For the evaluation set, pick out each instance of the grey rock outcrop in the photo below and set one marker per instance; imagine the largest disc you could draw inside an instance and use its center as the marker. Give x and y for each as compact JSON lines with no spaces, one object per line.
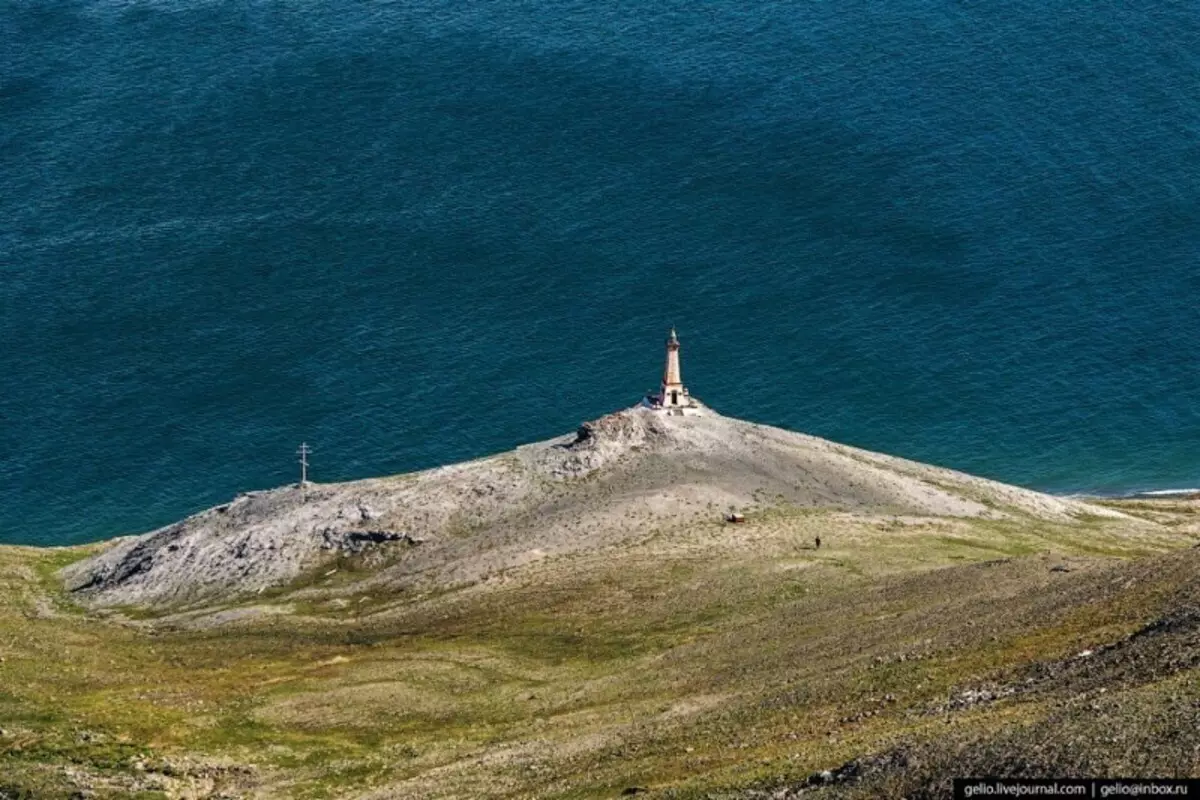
{"x":613,"y":478}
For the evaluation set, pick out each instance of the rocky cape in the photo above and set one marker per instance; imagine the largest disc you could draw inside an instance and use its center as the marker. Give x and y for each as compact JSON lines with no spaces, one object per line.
{"x":616,"y":479}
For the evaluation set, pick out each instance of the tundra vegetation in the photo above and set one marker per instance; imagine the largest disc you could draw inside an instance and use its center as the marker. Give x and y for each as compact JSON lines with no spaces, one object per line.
{"x":577,"y":620}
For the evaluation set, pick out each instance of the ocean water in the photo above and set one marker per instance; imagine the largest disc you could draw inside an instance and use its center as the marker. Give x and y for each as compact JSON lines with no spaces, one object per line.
{"x":411,"y":233}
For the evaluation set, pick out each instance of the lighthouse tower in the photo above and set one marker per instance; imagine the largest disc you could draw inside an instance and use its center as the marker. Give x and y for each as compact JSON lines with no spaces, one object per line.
{"x":673,"y":396}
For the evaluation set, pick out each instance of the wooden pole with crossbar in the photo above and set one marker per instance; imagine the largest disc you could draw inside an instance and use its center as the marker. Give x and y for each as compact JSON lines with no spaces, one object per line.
{"x":304,"y":452}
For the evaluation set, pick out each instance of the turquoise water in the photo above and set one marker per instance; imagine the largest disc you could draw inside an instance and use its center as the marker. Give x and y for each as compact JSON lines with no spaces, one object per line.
{"x":415,"y":233}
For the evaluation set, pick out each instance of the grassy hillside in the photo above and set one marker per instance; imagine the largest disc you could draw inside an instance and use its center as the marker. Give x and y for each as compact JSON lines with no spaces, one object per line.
{"x":697,"y":660}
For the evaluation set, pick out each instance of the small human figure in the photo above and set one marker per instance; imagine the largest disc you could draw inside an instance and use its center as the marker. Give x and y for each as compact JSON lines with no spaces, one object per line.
{"x":818,"y":542}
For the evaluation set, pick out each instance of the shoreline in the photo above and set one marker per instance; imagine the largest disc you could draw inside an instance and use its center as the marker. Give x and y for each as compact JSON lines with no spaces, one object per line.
{"x":1147,"y":494}
{"x":1139,"y":494}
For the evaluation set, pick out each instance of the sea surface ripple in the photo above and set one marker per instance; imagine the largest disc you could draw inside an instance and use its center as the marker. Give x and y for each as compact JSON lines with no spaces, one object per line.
{"x":411,"y":233}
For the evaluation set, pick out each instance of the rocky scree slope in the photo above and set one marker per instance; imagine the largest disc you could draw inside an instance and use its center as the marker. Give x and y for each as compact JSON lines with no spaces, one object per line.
{"x":616,"y":477}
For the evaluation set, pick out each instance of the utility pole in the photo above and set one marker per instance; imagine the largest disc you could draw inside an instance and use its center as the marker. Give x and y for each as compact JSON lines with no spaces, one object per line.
{"x":304,"y":452}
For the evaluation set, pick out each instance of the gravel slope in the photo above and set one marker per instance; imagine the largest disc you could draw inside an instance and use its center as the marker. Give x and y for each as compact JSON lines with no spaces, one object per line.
{"x":616,"y":478}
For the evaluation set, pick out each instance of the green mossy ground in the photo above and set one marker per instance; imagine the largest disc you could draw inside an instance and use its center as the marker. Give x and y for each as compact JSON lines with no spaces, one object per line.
{"x":737,"y":659}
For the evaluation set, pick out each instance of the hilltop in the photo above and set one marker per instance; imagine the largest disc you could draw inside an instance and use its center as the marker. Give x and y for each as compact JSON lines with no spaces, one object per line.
{"x":616,"y":479}
{"x":576,"y":619}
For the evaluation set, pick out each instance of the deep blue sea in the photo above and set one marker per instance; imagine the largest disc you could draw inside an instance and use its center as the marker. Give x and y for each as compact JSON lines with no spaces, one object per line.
{"x":412,"y":233}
